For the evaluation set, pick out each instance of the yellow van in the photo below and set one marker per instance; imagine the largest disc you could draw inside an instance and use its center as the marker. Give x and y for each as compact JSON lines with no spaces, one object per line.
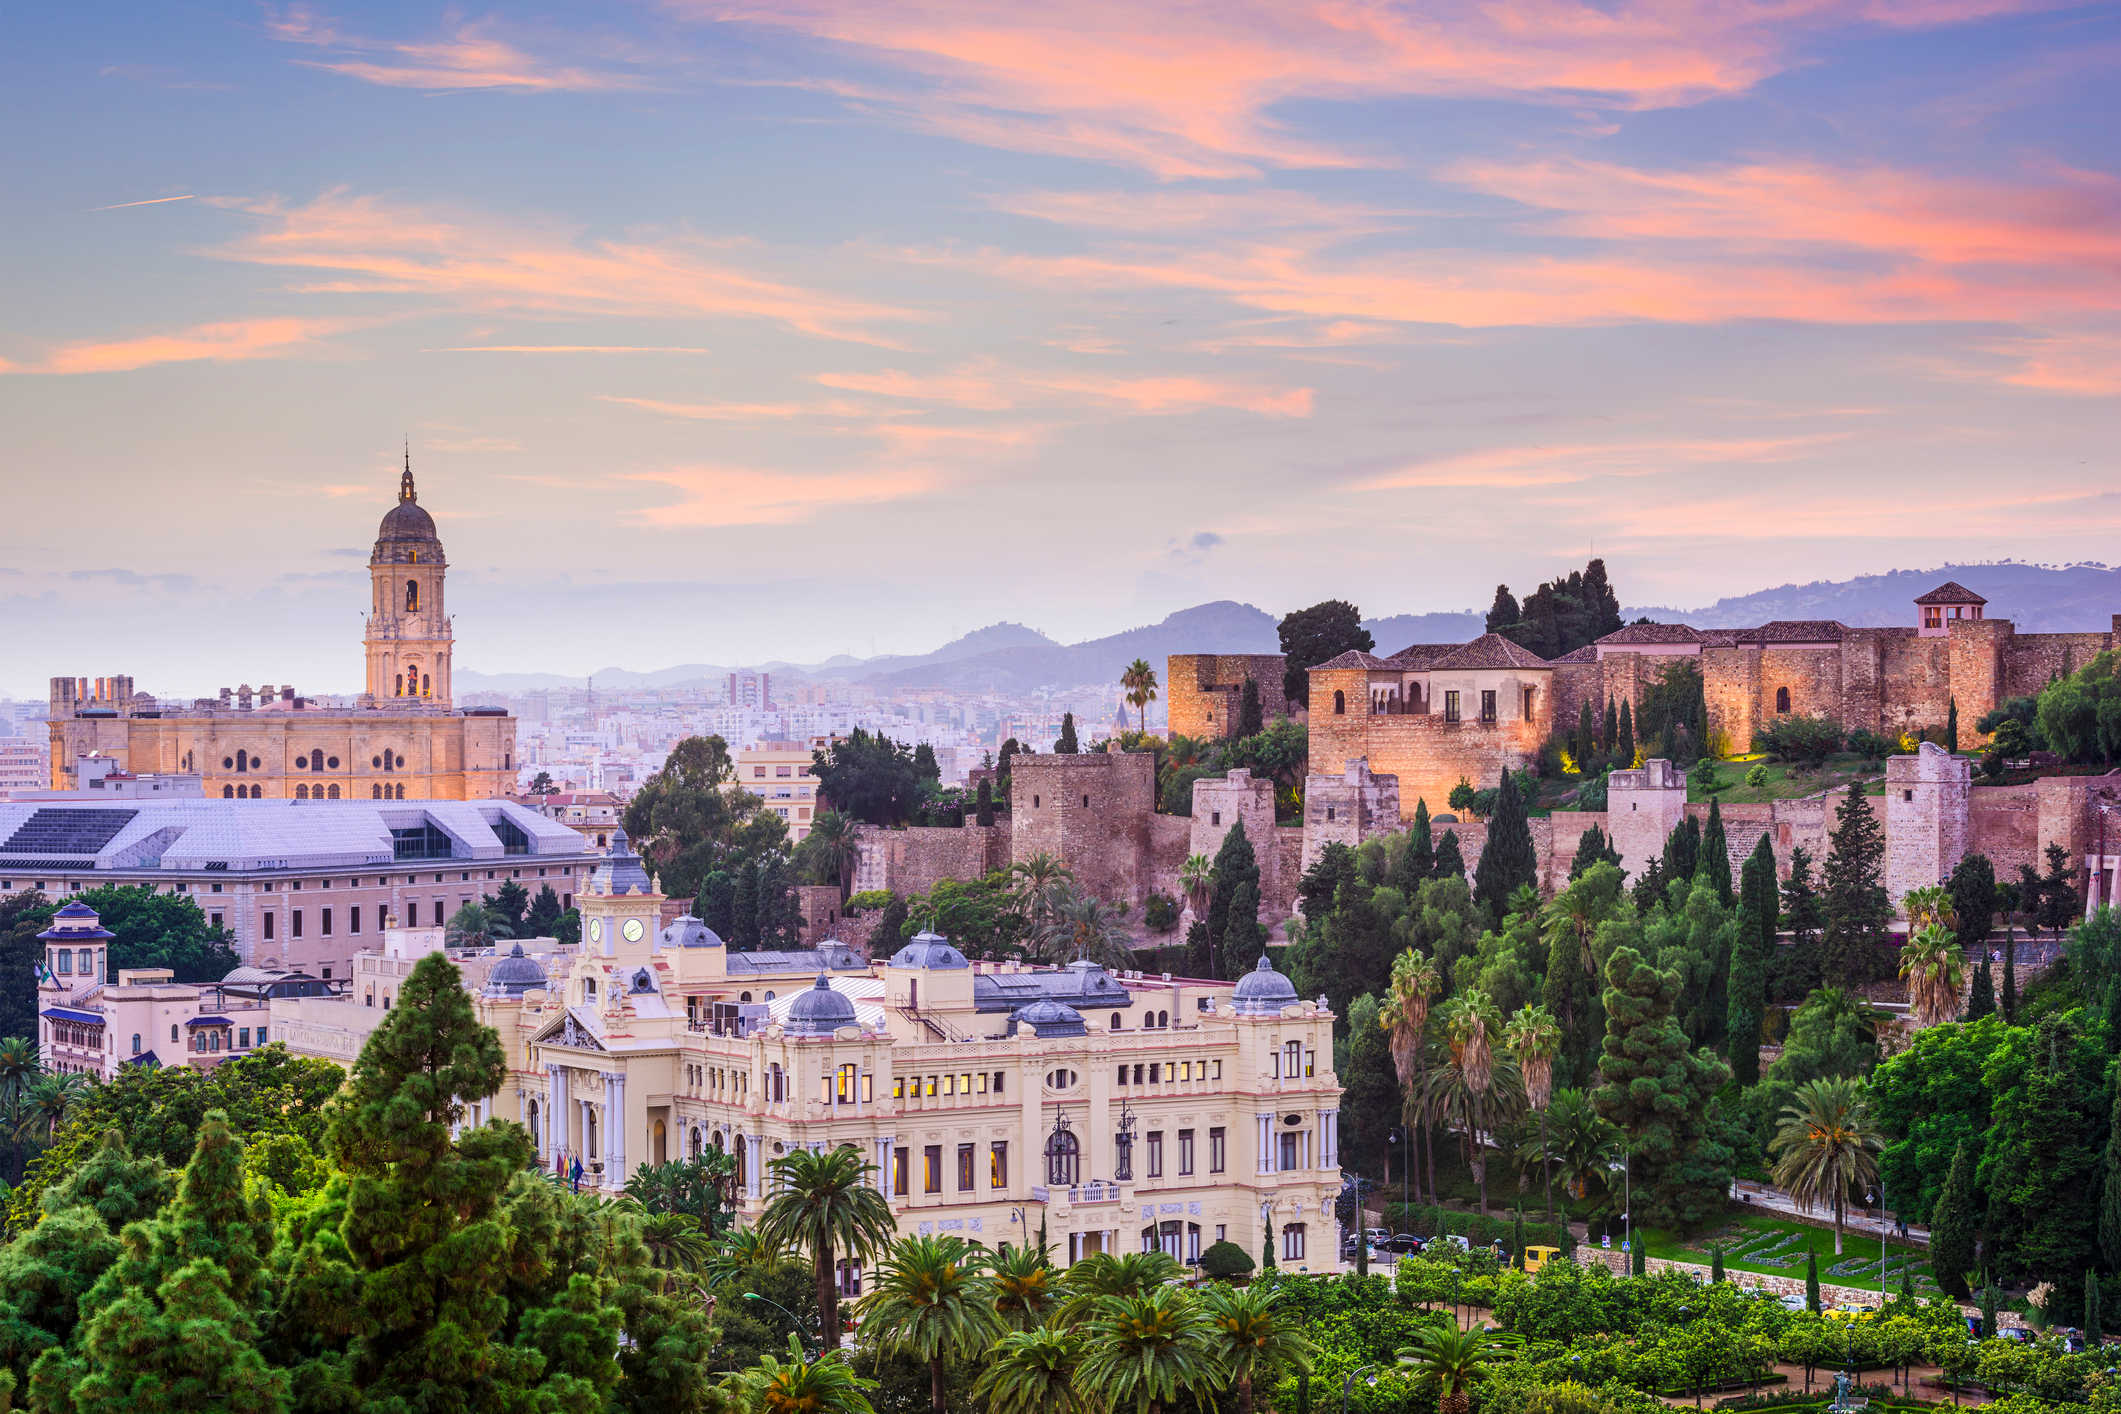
{"x":1537,"y":1257}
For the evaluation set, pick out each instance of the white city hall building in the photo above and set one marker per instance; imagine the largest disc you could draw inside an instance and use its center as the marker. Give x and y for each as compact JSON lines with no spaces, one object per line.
{"x":1117,"y":1111}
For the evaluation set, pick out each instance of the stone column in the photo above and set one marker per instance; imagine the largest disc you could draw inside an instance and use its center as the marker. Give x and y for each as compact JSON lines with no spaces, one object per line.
{"x":1265,"y":1143}
{"x":555,"y":1113}
{"x":883,"y":1166}
{"x":615,"y":1144}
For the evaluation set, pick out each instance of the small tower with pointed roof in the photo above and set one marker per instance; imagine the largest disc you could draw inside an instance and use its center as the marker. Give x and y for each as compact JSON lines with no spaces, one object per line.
{"x":1949,"y":601}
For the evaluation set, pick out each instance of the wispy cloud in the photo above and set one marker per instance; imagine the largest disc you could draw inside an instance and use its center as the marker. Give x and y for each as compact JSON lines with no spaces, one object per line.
{"x":741,"y":412}
{"x":470,"y":55}
{"x":1194,"y":92}
{"x":1543,"y":464}
{"x":363,"y":245}
{"x":233,"y":341}
{"x":718,"y":496}
{"x":151,"y":201}
{"x":569,"y":349}
{"x":991,"y":388}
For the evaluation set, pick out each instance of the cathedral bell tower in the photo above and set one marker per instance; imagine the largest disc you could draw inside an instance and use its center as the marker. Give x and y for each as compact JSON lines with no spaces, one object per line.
{"x":409,"y":639}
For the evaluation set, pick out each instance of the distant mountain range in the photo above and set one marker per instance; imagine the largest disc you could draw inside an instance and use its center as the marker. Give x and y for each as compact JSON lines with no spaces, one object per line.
{"x":1011,"y":658}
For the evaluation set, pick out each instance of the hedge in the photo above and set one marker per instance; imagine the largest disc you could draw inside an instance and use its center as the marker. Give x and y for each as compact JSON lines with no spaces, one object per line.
{"x":1425,"y":1221}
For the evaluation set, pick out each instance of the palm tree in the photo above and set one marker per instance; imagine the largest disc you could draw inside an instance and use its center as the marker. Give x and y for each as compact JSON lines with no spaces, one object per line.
{"x":1039,"y":879}
{"x":1033,"y":1372}
{"x":826,"y":1205}
{"x":930,"y":1302}
{"x":19,"y":1064}
{"x":1102,"y":1275}
{"x":1582,"y":1144}
{"x":1533,"y":1039}
{"x":1140,"y":682}
{"x":835,"y":834}
{"x":1406,"y":1015}
{"x":1256,"y":1339}
{"x":1026,"y":1286}
{"x":1145,"y":1352}
{"x":45,"y":1102}
{"x":676,"y":1244}
{"x":472,"y":927}
{"x":1081,"y":928}
{"x":1933,"y":963}
{"x":1453,"y":1358}
{"x":1476,"y":1091}
{"x":1826,"y":1145}
{"x":1930,"y":904}
{"x":826,"y":1385}
{"x":739,"y":1257}
{"x":1197,"y":876}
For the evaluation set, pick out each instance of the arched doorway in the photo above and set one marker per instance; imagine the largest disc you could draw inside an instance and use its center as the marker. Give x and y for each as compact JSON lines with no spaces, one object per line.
{"x":743,"y":1165}
{"x":662,"y":1143}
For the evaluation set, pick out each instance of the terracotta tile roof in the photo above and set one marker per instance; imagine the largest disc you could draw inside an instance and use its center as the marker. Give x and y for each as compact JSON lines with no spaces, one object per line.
{"x":1355,"y":658}
{"x":1652,"y":633}
{"x":1492,"y":650}
{"x":1796,"y":631}
{"x":1586,"y":654}
{"x":1951,"y":592}
{"x":1421,"y":655}
{"x":1721,"y":637}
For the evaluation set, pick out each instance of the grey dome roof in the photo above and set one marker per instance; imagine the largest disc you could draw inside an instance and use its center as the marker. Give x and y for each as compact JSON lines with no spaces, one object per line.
{"x":1092,"y":977}
{"x":1263,"y":991}
{"x":621,"y":871}
{"x":691,"y":932}
{"x":819,"y":1011}
{"x":404,"y":522}
{"x":1049,"y":1018}
{"x":929,"y":950}
{"x":514,"y":975}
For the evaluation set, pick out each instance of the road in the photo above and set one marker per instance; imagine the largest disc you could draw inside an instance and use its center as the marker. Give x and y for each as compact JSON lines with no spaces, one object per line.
{"x":1774,"y":1200}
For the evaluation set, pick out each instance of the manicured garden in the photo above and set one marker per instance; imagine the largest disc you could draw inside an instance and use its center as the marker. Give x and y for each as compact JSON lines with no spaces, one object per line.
{"x":1772,"y":1246}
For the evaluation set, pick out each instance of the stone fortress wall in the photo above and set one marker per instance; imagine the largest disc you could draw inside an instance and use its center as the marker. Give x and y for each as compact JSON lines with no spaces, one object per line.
{"x":1202,"y":691}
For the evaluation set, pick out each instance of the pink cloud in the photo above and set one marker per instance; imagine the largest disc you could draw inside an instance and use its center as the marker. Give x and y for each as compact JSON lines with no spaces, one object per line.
{"x":367,"y":246}
{"x":719,"y":496}
{"x":987,"y":389}
{"x":233,"y":341}
{"x":2082,"y":364}
{"x":1515,"y":468}
{"x":470,"y":56}
{"x":740,"y":412}
{"x":1188,"y":92}
{"x":964,"y":390}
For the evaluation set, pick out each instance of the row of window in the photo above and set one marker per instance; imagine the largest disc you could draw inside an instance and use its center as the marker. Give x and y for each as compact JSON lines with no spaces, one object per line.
{"x":932,"y":1168}
{"x":63,"y":961}
{"x":962,"y":1083}
{"x":1158,"y":1072}
{"x":1218,"y":1153}
{"x":330,"y":792}
{"x":1453,"y":711}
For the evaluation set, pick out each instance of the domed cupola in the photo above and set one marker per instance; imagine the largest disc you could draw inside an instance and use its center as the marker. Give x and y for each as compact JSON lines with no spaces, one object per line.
{"x":929,"y":950}
{"x":689,"y":932}
{"x":514,"y":975}
{"x":1263,"y":991}
{"x":1049,"y":1018}
{"x":819,"y":1011}
{"x":621,"y":872}
{"x":407,"y":532}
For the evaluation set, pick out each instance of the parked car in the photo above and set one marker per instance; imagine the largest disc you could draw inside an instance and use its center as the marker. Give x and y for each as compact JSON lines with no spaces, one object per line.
{"x":1794,"y":1301}
{"x":1377,"y":1236}
{"x":1403,"y":1242}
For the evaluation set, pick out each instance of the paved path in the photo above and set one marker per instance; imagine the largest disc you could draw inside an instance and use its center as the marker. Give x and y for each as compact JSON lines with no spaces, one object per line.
{"x":1774,"y":1200}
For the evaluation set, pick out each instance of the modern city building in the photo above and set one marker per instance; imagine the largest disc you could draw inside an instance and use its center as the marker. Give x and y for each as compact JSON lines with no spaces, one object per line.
{"x":299,"y":884}
{"x":779,"y":773}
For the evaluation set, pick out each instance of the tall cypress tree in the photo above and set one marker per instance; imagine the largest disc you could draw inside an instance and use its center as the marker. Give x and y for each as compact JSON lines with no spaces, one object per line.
{"x":1951,"y":728}
{"x":2010,"y":977}
{"x":1592,"y":847}
{"x":1715,"y":861}
{"x":1508,"y":862}
{"x":1800,"y":914}
{"x":1956,"y":1224}
{"x":985,"y":807}
{"x":1609,"y":738}
{"x":1066,"y":745}
{"x":2094,"y":1319}
{"x":1417,"y":859}
{"x":1854,"y":899}
{"x":1625,"y":753}
{"x":1811,"y":1282}
{"x":1244,"y":941}
{"x":1585,"y":743}
{"x":1682,"y":849}
{"x":1450,"y":862}
{"x":1749,"y":958}
{"x":1251,"y":720}
{"x":1235,"y":867}
{"x":2110,"y":1191}
{"x":1981,"y":995}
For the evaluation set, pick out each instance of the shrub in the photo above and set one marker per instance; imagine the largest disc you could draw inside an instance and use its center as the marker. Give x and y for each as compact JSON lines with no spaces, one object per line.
{"x":1757,"y":777}
{"x":1225,"y":1259}
{"x":1160,"y":912}
{"x":1801,"y":740}
{"x":866,"y":901}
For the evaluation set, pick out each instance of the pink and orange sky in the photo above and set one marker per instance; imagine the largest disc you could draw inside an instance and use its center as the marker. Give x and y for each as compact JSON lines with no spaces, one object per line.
{"x":730,"y":332}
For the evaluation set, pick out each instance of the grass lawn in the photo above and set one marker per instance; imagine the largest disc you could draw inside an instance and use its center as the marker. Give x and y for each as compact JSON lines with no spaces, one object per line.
{"x":1772,"y":1246}
{"x":1783,"y":783}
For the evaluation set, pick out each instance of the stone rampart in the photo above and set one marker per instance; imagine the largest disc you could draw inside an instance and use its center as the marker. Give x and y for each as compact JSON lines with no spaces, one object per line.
{"x":1091,"y":812}
{"x":1202,"y":691}
{"x":911,"y":861}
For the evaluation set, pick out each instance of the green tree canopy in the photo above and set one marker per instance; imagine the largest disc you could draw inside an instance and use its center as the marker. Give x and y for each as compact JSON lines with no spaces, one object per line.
{"x":1312,"y":636}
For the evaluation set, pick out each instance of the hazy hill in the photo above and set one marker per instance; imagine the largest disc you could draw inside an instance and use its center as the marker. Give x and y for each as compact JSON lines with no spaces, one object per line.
{"x":1009,"y":657}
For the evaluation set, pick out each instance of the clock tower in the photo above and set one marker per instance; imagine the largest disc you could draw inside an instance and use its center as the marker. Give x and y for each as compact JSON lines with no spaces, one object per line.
{"x":621,"y":910}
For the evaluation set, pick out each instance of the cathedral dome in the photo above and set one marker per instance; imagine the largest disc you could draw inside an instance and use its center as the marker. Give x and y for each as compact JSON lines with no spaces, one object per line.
{"x":1263,"y":991}
{"x":406,"y":529}
{"x":514,"y":975}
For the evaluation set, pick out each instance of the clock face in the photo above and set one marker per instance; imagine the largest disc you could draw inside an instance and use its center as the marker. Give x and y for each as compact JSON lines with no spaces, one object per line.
{"x":633,"y":930}
{"x":596,"y":930}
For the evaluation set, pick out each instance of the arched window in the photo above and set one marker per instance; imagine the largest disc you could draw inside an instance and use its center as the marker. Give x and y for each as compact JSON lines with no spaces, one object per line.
{"x":1115,"y":1022}
{"x":242,"y":761}
{"x":1782,"y":699}
{"x":412,"y":596}
{"x":332,"y":792}
{"x":401,"y":792}
{"x":375,"y":792}
{"x":136,"y":1043}
{"x":427,"y":686}
{"x":316,"y":761}
{"x":228,"y":792}
{"x":1340,"y":703}
{"x":400,"y":691}
{"x":257,"y":792}
{"x":1064,"y":1157}
{"x":173,"y":1031}
{"x":301,"y":792}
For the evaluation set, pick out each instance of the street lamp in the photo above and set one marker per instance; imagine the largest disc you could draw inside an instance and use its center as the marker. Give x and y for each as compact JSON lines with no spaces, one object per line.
{"x":1406,"y":1168}
{"x":1018,"y":1216}
{"x":1347,"y":1386}
{"x":792,"y":1320}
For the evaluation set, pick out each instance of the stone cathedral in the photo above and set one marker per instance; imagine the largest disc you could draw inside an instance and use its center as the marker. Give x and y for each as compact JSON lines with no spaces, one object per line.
{"x":402,"y":740}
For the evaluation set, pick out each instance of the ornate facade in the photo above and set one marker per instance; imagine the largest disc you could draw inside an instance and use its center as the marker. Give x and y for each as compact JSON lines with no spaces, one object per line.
{"x":402,"y":740}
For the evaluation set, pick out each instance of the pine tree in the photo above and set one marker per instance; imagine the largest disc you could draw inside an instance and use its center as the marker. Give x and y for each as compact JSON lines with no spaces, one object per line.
{"x":1251,"y":720}
{"x":1584,"y":744}
{"x":1716,"y":1263}
{"x":1609,"y":737}
{"x":2010,"y":976}
{"x":1625,"y":755}
{"x":1235,"y":866}
{"x":1200,"y":958}
{"x":1750,"y":951}
{"x":2094,"y":1324}
{"x":1639,"y":1259}
{"x":985,"y":814}
{"x":1509,"y":861}
{"x":544,"y":915}
{"x":1951,"y":728}
{"x":1657,"y":1091}
{"x":1504,"y":612}
{"x":744,"y":914}
{"x":1857,"y":910}
{"x":1800,"y":914}
{"x":1066,"y":745}
{"x":1715,"y":863}
{"x":1955,"y":1225}
{"x":1450,"y":864}
{"x":1811,"y":1281}
{"x":1417,"y":859}
{"x":1989,"y":1327}
{"x":1981,"y":995}
{"x":1682,"y":850}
